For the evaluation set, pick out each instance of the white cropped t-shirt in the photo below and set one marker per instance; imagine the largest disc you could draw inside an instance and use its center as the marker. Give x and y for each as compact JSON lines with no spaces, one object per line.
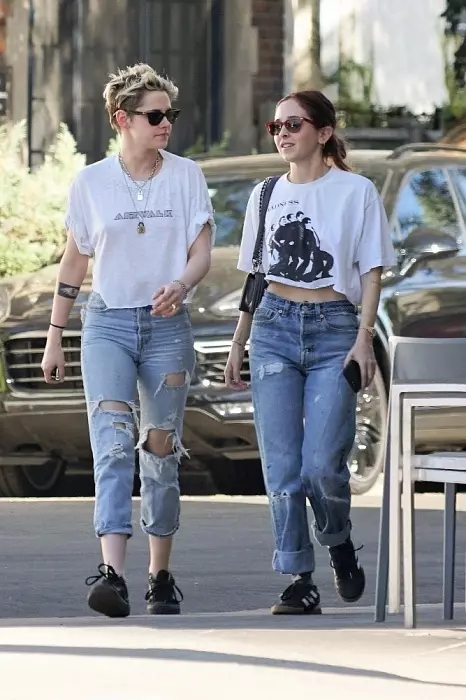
{"x":130,"y":266}
{"x":323,"y":233}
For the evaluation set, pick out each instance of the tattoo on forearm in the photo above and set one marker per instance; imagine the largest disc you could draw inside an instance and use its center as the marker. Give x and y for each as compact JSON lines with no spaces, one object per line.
{"x":67,"y":291}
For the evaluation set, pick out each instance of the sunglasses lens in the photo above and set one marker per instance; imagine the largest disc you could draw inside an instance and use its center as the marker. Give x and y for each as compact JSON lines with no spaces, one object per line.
{"x":172,"y":115}
{"x":293,"y":125}
{"x":155,"y":117}
{"x":274,"y":128}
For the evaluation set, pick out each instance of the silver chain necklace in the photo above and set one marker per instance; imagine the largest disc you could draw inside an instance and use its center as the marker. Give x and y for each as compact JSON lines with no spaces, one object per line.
{"x":138,"y":187}
{"x":141,"y":225}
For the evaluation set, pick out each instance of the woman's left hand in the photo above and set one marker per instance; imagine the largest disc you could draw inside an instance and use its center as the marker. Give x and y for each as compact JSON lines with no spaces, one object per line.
{"x":167,"y":300}
{"x":363,"y":352}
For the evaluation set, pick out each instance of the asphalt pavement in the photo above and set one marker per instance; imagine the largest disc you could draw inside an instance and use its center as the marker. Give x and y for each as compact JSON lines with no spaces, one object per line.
{"x":221,"y":560}
{"x":226,"y":644}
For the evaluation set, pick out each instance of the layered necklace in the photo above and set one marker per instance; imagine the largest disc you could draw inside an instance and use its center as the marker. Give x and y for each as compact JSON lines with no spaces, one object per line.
{"x":140,"y":189}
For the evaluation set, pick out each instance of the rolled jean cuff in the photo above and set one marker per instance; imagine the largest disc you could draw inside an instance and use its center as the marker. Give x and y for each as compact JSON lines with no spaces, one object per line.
{"x":152,"y":533}
{"x":332,"y":539}
{"x":101,"y":532}
{"x":294,"y":562}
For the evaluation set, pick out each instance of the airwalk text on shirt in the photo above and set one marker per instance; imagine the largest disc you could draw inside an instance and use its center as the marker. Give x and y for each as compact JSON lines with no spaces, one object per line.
{"x":146,"y":214}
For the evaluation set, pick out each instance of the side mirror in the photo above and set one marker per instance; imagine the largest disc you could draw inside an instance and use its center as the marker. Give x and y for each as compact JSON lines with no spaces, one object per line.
{"x":425,"y":243}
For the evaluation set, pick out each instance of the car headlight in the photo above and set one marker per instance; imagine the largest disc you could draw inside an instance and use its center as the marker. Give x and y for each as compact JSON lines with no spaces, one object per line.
{"x":228,"y":306}
{"x":5,"y":304}
{"x":237,"y":409}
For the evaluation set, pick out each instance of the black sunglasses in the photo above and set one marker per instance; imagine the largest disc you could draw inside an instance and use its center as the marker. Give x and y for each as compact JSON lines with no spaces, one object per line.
{"x":292,"y":124}
{"x":156,"y":116}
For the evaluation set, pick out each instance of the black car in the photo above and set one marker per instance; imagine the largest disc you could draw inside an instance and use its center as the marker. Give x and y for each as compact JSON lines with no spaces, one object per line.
{"x":43,"y":428}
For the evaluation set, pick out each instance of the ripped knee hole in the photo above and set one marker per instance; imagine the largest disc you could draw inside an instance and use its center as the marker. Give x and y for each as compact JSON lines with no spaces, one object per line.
{"x":119,"y":406}
{"x":176,"y":379}
{"x":160,"y":443}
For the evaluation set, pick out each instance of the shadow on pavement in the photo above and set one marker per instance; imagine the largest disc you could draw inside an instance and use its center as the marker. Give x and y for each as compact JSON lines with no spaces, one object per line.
{"x":192,"y":655}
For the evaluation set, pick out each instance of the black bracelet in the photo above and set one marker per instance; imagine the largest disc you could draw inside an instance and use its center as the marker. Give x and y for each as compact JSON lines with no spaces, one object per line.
{"x":62,"y":328}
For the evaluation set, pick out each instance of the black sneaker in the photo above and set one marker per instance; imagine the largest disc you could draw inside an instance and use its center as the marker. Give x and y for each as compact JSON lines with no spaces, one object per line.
{"x":301,"y":598}
{"x":109,"y":594}
{"x":350,"y":580}
{"x":163,"y":596}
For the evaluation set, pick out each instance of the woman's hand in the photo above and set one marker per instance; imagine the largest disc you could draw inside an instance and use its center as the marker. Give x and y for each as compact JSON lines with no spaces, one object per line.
{"x":363,"y":352}
{"x":233,"y":368}
{"x":54,"y":358}
{"x":167,"y":300}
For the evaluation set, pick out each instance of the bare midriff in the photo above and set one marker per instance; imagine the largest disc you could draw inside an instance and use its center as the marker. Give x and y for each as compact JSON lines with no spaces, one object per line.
{"x":299,"y":294}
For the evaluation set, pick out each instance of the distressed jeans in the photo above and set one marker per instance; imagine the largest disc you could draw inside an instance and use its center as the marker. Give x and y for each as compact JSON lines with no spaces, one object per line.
{"x":305,"y":416}
{"x":128,"y":353}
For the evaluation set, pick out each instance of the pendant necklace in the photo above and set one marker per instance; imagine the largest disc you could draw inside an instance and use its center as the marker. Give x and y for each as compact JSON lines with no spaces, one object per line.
{"x":139,"y":188}
{"x":141,"y":228}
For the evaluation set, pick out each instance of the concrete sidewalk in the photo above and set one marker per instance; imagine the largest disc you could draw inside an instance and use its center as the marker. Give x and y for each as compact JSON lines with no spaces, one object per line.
{"x":342,"y":654}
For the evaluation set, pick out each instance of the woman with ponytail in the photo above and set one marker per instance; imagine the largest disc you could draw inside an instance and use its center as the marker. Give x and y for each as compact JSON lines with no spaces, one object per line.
{"x":325,"y":242}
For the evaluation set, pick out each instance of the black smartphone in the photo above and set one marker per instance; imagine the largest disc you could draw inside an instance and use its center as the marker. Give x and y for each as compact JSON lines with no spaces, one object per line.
{"x":352,"y":374}
{"x":55,"y":374}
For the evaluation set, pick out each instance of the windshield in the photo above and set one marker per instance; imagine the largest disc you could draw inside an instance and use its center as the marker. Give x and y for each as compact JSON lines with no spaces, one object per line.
{"x":230,"y":198}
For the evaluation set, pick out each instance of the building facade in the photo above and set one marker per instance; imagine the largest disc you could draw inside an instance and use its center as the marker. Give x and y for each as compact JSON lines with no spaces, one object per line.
{"x":226,"y":56}
{"x":401,"y":43}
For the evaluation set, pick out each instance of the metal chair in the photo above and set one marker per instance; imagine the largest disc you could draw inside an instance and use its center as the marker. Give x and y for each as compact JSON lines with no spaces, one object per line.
{"x":424,"y":373}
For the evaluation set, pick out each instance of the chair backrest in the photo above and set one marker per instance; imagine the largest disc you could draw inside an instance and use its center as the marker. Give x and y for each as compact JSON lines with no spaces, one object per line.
{"x":428,"y":359}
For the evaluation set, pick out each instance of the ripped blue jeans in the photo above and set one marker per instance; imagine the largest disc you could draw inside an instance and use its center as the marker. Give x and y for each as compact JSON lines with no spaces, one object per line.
{"x":126,"y":354}
{"x":305,"y":417}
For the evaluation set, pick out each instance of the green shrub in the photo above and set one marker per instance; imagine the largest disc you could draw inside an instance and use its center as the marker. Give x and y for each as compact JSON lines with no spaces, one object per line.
{"x":32,"y":204}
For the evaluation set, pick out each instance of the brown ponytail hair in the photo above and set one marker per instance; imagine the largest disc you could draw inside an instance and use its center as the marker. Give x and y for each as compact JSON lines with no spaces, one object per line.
{"x":321,"y":112}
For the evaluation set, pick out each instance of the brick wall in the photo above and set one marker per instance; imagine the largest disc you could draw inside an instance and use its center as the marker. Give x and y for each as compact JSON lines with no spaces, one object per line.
{"x":269,"y":18}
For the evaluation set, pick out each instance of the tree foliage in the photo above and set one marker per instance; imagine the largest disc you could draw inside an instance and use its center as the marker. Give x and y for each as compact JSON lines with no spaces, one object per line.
{"x":32,"y":204}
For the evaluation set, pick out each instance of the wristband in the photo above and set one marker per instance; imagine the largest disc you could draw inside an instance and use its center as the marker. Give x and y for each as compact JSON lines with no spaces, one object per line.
{"x":238,"y":343}
{"x":183,"y":287}
{"x":368,"y":329}
{"x":54,"y":325}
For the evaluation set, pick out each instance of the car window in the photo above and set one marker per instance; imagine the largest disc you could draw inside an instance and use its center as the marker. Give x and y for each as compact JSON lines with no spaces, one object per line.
{"x":230,"y":197}
{"x":426,"y":200}
{"x":458,"y":175}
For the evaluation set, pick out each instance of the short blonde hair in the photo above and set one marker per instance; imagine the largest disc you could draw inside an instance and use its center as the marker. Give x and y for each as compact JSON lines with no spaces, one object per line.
{"x":126,"y":88}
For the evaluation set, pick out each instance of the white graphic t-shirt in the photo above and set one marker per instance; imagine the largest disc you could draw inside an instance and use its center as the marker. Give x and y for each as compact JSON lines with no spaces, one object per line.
{"x":103,"y":217}
{"x":320,"y":234}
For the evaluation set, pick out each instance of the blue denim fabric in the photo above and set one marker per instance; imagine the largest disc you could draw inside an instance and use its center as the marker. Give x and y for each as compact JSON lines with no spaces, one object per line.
{"x":305,"y":414}
{"x":126,"y":353}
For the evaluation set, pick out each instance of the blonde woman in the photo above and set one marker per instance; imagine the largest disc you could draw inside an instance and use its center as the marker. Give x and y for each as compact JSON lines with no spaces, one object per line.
{"x":146,"y":218}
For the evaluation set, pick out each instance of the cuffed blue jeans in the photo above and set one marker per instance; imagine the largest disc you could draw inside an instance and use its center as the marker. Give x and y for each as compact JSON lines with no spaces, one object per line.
{"x":128,"y":354}
{"x":305,"y":416}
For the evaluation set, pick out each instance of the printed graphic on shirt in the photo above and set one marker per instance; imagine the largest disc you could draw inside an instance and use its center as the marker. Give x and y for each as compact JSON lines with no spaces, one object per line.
{"x":146,"y":214}
{"x":295,"y":252}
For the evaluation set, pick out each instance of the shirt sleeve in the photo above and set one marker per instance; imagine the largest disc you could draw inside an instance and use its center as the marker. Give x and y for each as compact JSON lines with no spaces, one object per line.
{"x":75,"y":222}
{"x":375,"y":247}
{"x":200,"y":209}
{"x":250,"y":228}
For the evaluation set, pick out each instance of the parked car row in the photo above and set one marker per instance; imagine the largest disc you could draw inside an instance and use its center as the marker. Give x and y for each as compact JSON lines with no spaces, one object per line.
{"x":43,"y":428}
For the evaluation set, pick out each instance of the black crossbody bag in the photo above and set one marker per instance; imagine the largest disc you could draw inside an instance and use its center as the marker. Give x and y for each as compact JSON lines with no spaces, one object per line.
{"x":255,"y":284}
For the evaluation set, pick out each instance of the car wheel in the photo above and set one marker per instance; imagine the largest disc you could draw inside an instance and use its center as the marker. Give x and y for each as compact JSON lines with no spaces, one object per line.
{"x":238,"y":477}
{"x":38,"y":480}
{"x":366,"y":459}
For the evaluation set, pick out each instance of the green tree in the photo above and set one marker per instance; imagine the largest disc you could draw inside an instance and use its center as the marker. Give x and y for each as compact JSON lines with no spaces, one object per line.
{"x":317,"y":81}
{"x":455,"y":66}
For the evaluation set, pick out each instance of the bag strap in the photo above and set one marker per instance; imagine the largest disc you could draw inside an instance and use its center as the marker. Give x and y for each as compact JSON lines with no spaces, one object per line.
{"x":266,"y":192}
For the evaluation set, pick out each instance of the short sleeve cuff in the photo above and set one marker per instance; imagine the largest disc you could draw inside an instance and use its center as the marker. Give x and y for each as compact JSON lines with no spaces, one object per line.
{"x":200,"y":220}
{"x":80,"y":235}
{"x":366,"y":266}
